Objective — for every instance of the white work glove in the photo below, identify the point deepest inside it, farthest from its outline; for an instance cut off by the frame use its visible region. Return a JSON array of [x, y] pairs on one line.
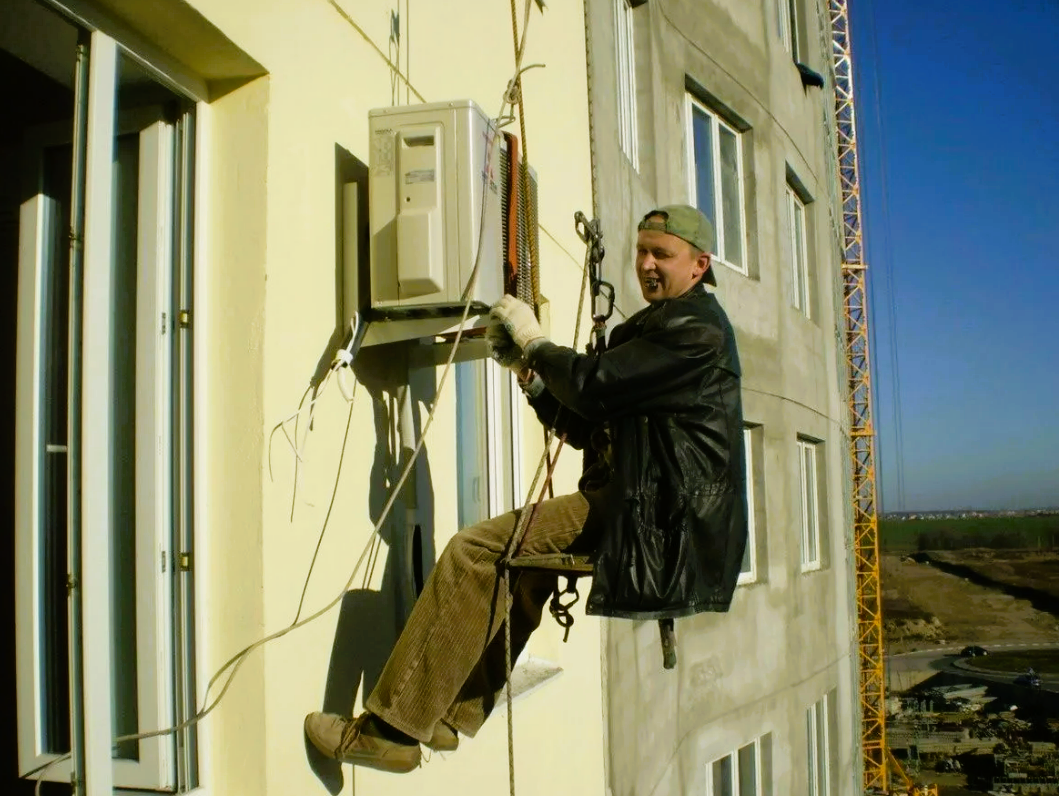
[[502, 347], [518, 320]]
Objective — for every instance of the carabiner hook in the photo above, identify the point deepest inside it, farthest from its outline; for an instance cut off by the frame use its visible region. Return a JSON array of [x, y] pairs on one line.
[[602, 292]]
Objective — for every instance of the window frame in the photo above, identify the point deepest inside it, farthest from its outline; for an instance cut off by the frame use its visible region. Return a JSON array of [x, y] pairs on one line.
[[787, 12], [162, 383], [749, 575], [812, 559], [761, 788], [625, 61], [818, 748], [692, 103], [500, 475], [798, 215]]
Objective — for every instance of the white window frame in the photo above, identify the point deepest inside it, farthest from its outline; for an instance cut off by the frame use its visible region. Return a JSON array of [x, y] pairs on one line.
[[494, 391], [625, 59], [798, 249], [749, 575], [690, 104], [503, 424], [808, 467], [787, 12], [761, 787], [818, 755], [91, 706]]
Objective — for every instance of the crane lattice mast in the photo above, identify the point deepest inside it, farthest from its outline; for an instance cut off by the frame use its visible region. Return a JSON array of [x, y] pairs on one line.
[[862, 432]]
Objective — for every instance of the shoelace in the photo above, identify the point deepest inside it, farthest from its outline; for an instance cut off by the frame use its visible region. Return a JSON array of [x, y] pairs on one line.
[[350, 734]]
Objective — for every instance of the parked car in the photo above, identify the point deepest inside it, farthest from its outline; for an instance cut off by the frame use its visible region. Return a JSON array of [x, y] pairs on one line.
[[973, 652]]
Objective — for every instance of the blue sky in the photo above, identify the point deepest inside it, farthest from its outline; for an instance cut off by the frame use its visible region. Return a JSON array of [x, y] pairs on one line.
[[958, 122]]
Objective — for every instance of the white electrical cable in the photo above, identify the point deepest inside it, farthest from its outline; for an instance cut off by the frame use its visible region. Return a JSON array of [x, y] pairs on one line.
[[236, 661]]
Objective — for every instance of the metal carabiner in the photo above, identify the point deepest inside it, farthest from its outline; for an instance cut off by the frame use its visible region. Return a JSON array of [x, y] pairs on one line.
[[591, 235], [602, 292]]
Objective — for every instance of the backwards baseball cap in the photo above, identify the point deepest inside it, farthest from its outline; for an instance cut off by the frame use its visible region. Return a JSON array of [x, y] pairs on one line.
[[686, 223]]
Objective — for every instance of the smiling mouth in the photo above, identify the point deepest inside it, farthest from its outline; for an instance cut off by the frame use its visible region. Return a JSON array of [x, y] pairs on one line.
[[652, 284]]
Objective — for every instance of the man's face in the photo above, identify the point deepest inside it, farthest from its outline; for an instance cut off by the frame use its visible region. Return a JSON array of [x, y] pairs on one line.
[[667, 266]]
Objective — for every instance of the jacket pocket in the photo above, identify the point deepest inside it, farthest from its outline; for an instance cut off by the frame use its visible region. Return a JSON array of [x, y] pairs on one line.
[[654, 565]]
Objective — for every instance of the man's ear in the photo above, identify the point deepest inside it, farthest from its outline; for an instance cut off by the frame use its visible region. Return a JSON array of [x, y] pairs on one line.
[[703, 263]]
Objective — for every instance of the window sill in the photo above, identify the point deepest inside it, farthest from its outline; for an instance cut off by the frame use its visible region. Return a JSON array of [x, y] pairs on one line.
[[715, 260], [530, 675]]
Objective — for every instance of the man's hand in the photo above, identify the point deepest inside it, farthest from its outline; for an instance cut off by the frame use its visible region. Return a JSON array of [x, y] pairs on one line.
[[502, 347], [518, 319]]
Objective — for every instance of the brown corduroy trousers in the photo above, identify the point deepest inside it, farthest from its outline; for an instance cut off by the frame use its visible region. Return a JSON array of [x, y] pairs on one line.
[[448, 662]]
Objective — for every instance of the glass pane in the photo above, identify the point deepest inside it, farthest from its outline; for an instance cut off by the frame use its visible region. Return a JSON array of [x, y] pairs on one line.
[[702, 143], [123, 480], [748, 785], [748, 553], [746, 566], [822, 750], [723, 780], [765, 745], [471, 467], [783, 13], [54, 551], [730, 198], [810, 748], [801, 286], [141, 386], [792, 28], [810, 501], [508, 433], [37, 71]]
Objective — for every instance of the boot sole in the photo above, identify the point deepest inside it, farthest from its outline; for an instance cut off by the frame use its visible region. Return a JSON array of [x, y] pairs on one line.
[[390, 766]]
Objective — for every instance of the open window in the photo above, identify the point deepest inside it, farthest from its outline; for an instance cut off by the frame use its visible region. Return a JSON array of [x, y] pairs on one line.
[[103, 593]]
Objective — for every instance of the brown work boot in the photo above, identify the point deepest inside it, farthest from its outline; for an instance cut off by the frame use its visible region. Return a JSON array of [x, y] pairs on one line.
[[361, 741], [444, 738]]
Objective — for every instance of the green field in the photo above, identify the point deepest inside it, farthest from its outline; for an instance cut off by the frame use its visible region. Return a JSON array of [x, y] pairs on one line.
[[998, 533]]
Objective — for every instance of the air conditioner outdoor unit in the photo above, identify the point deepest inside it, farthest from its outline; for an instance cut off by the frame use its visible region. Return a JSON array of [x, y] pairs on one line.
[[439, 195]]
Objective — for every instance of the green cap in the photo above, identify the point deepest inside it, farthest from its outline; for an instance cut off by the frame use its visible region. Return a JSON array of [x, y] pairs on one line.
[[687, 223]]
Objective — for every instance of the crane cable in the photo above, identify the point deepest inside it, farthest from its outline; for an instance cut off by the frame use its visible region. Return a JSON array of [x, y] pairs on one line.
[[888, 262]]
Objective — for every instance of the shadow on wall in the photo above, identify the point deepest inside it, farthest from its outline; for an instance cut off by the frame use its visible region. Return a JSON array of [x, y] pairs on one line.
[[370, 621]]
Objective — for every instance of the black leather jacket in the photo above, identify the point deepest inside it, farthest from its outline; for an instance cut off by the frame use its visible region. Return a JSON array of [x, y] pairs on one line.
[[667, 391]]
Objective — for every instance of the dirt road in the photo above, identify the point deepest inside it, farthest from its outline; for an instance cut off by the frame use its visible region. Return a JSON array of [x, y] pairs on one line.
[[925, 608]]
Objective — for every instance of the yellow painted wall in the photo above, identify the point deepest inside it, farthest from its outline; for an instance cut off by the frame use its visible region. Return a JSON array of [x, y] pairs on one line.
[[269, 268]]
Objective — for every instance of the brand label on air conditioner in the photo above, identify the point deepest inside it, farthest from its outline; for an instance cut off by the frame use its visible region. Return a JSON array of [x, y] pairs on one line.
[[419, 175]]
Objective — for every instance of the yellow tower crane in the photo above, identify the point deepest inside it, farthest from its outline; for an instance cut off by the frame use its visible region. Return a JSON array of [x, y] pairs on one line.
[[871, 680]]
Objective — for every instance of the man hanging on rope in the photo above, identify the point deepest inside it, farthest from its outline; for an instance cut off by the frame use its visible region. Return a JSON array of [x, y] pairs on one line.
[[666, 527]]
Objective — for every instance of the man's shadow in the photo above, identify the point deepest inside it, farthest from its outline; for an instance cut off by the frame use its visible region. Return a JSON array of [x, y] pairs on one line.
[[370, 621]]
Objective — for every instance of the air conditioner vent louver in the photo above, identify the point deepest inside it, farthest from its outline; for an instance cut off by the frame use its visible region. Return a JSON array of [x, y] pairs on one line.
[[526, 282]]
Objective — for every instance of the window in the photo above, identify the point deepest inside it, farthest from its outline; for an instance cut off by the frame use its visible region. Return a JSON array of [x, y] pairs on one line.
[[818, 747], [625, 58], [807, 463], [787, 13], [748, 570], [744, 772], [104, 504], [799, 258], [715, 180], [488, 441]]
